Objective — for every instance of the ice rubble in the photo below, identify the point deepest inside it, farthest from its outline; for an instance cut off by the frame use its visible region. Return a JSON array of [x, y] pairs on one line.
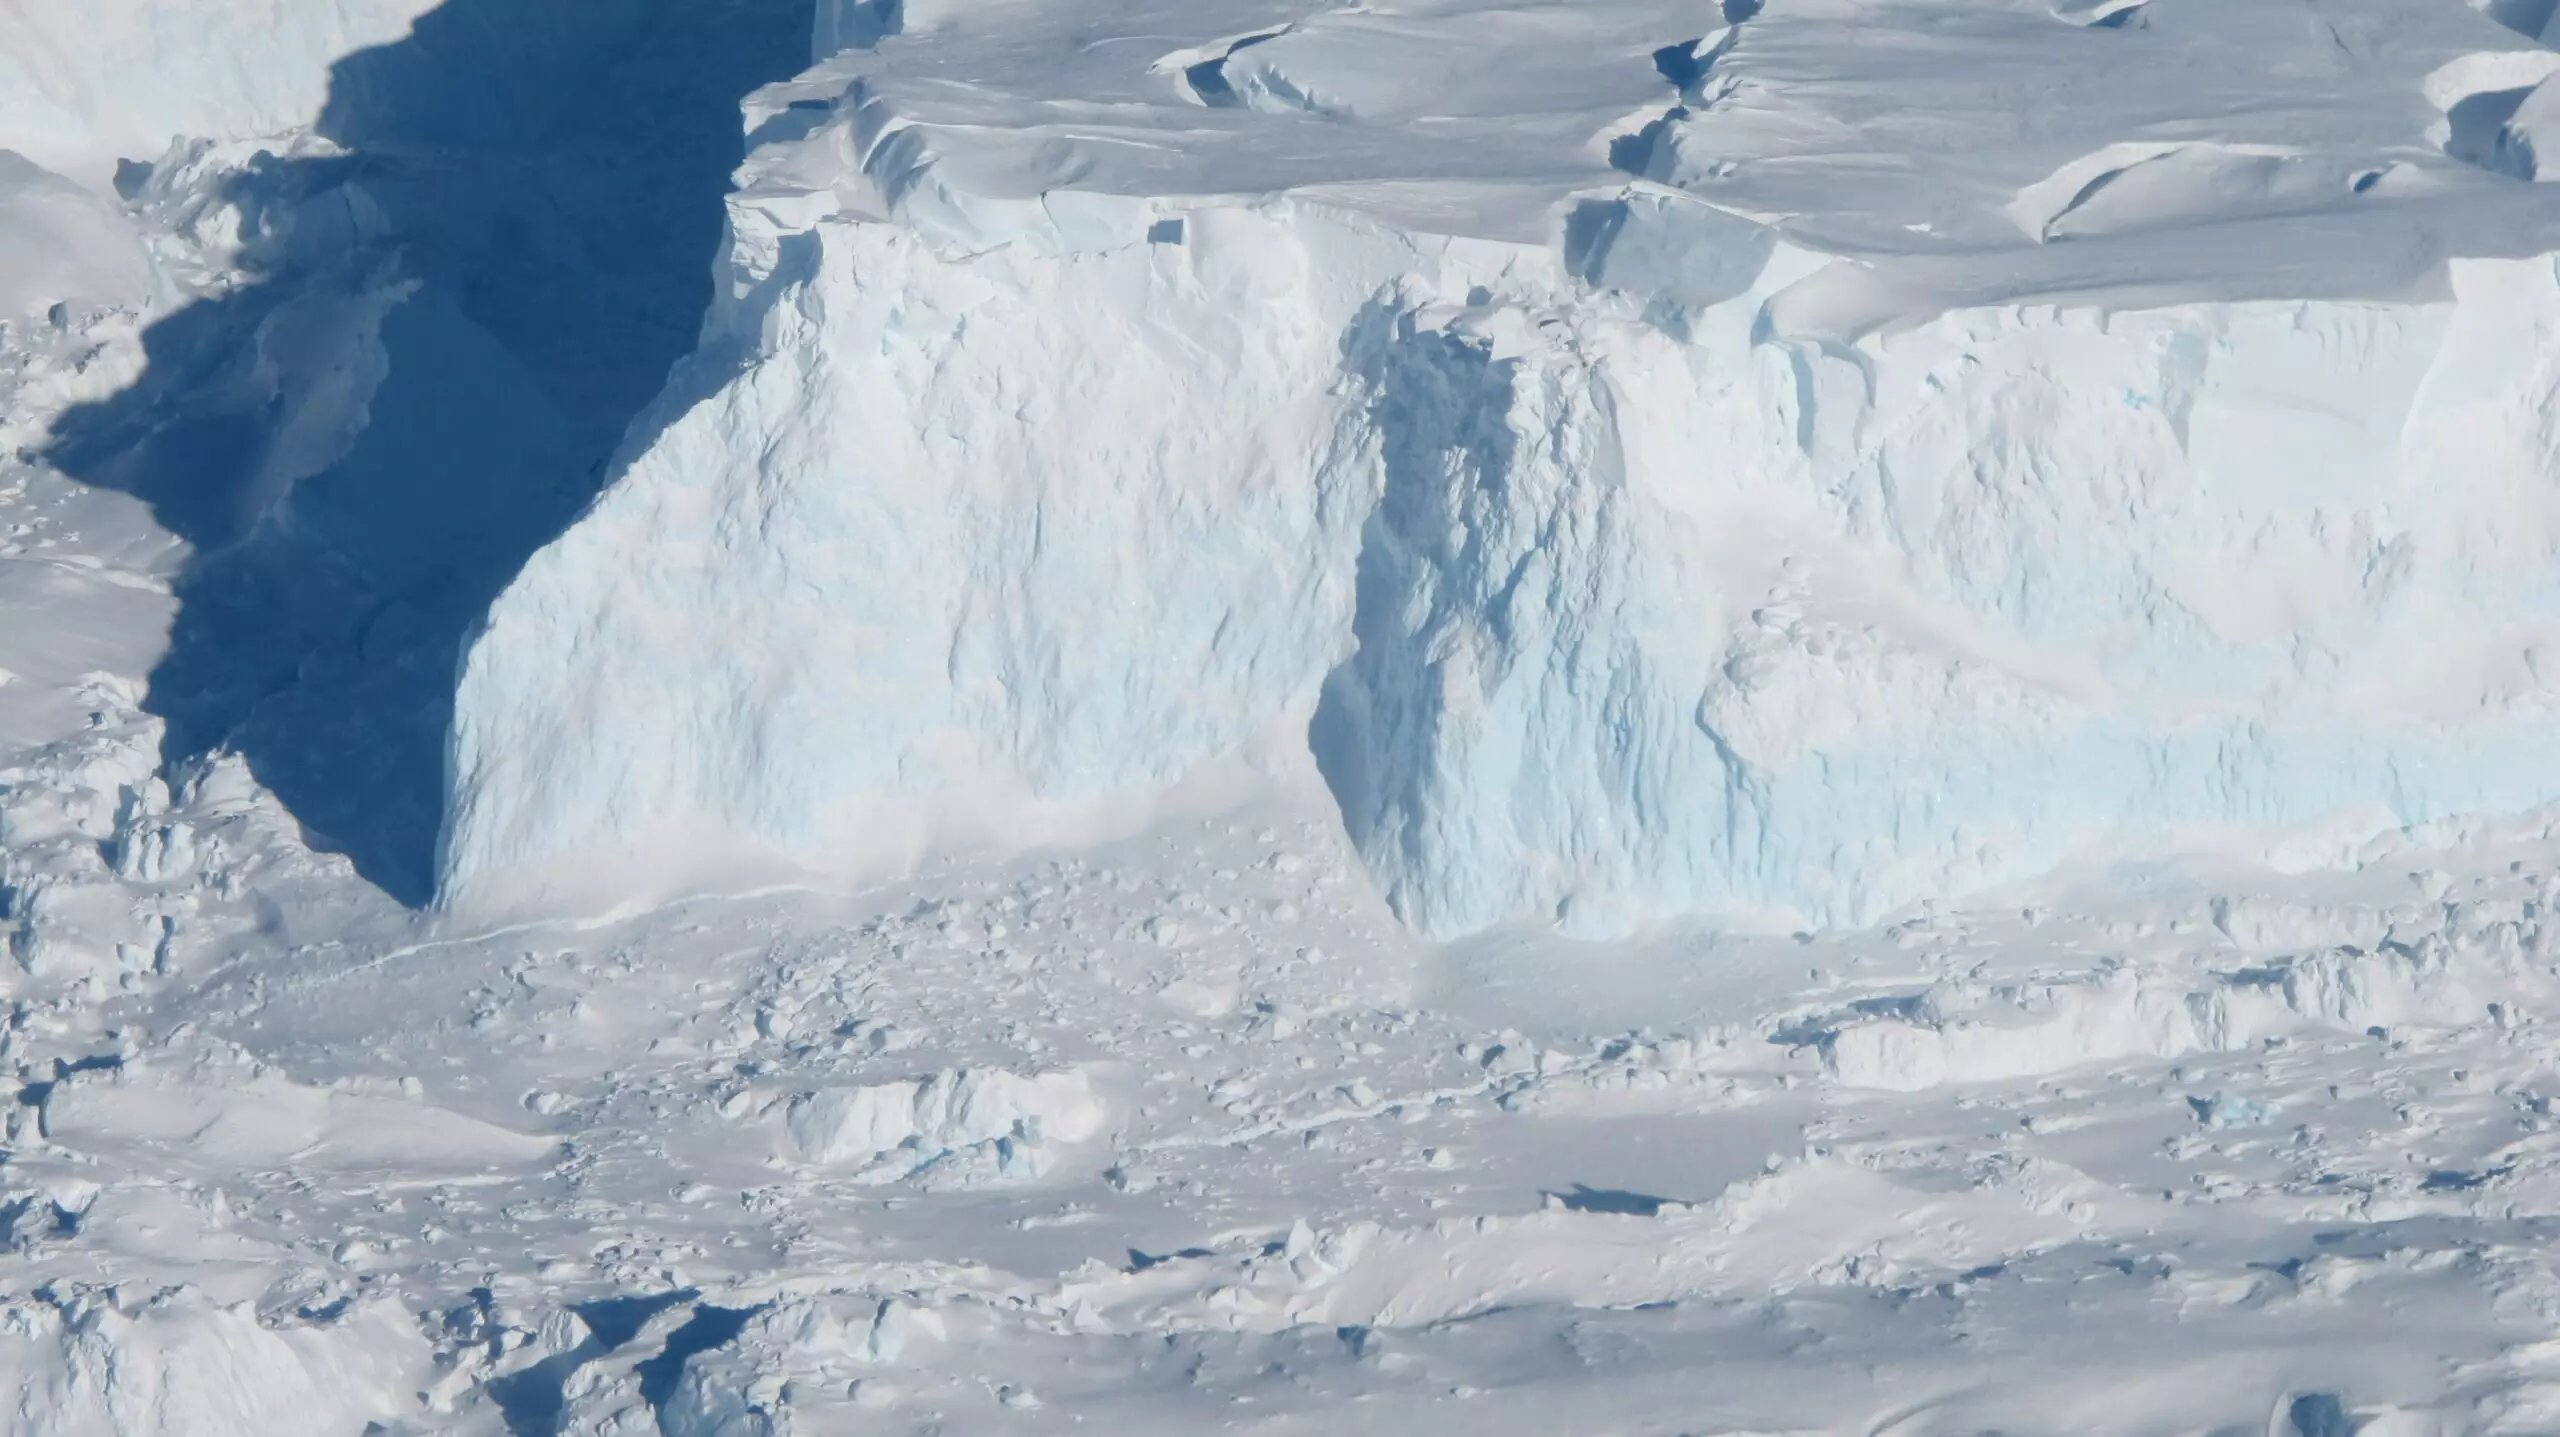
[[175, 1363], [1367, 1275], [975, 1122], [1786, 533]]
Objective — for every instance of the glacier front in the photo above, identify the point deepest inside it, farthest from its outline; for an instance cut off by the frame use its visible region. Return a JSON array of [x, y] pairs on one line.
[[1652, 473]]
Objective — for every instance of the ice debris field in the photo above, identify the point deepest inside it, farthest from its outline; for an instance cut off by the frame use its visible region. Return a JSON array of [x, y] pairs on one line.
[[753, 717]]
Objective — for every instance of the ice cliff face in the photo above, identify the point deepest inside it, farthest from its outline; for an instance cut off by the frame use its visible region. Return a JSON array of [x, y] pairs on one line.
[[1651, 625], [1621, 548], [951, 637]]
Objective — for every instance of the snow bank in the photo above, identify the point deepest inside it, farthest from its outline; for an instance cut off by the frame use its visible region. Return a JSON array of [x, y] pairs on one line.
[[2450, 966], [1802, 1221], [1967, 1037], [259, 1117], [1624, 556]]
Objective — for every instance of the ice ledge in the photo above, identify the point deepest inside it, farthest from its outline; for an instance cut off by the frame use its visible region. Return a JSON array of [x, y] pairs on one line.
[[2184, 150]]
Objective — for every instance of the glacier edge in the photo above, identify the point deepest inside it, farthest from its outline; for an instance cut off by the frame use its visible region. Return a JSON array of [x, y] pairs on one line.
[[1603, 608]]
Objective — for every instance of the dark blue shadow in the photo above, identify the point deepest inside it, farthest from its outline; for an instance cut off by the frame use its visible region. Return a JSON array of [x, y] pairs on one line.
[[448, 328]]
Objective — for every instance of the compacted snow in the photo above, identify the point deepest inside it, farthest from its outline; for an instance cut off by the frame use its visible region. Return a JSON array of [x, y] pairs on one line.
[[1824, 716]]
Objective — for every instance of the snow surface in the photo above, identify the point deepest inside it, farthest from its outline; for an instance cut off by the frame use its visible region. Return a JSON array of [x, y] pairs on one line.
[[63, 242], [84, 85], [1778, 474], [1178, 509]]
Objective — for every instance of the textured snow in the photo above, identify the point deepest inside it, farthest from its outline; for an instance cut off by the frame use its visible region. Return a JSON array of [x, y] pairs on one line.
[[1843, 513], [1789, 463], [176, 1364], [952, 1119], [266, 1119], [82, 86]]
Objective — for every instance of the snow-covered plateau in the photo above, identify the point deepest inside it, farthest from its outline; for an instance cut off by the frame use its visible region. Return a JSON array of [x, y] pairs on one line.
[[1700, 718]]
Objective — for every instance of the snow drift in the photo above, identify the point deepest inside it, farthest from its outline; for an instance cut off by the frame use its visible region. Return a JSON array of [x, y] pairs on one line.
[[1624, 547]]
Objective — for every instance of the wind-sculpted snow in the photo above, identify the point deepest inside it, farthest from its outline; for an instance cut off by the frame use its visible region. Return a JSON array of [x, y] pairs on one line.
[[1747, 538]]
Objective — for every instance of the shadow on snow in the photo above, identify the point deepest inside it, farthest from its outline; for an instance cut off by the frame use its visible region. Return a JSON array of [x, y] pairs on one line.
[[447, 329]]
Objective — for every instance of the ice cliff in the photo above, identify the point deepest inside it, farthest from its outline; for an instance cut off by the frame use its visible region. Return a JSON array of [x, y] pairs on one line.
[[1653, 472]]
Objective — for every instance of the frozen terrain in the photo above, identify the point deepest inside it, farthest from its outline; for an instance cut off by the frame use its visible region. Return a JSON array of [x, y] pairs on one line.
[[1854, 453], [1606, 717]]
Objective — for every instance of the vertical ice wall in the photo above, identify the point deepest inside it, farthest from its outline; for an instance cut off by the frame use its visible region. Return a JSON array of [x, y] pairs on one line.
[[958, 549], [1654, 625], [1616, 609], [1053, 442]]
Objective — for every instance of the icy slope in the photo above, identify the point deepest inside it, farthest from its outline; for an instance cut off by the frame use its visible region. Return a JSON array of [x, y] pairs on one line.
[[1777, 473]]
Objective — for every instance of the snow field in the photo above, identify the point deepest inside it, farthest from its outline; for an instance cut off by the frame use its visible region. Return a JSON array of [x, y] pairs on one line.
[[84, 86]]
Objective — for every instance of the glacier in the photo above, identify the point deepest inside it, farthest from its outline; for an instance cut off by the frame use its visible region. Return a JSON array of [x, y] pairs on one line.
[[391, 351], [1188, 483], [1647, 478]]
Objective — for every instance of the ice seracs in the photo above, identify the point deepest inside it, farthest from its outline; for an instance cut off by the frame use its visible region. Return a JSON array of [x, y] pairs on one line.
[[1652, 473]]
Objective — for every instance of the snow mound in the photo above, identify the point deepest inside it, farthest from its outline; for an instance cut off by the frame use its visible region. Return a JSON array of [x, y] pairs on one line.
[[1958, 1037], [2460, 968], [1742, 539], [119, 1363], [964, 1124], [1817, 1219], [260, 1118]]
